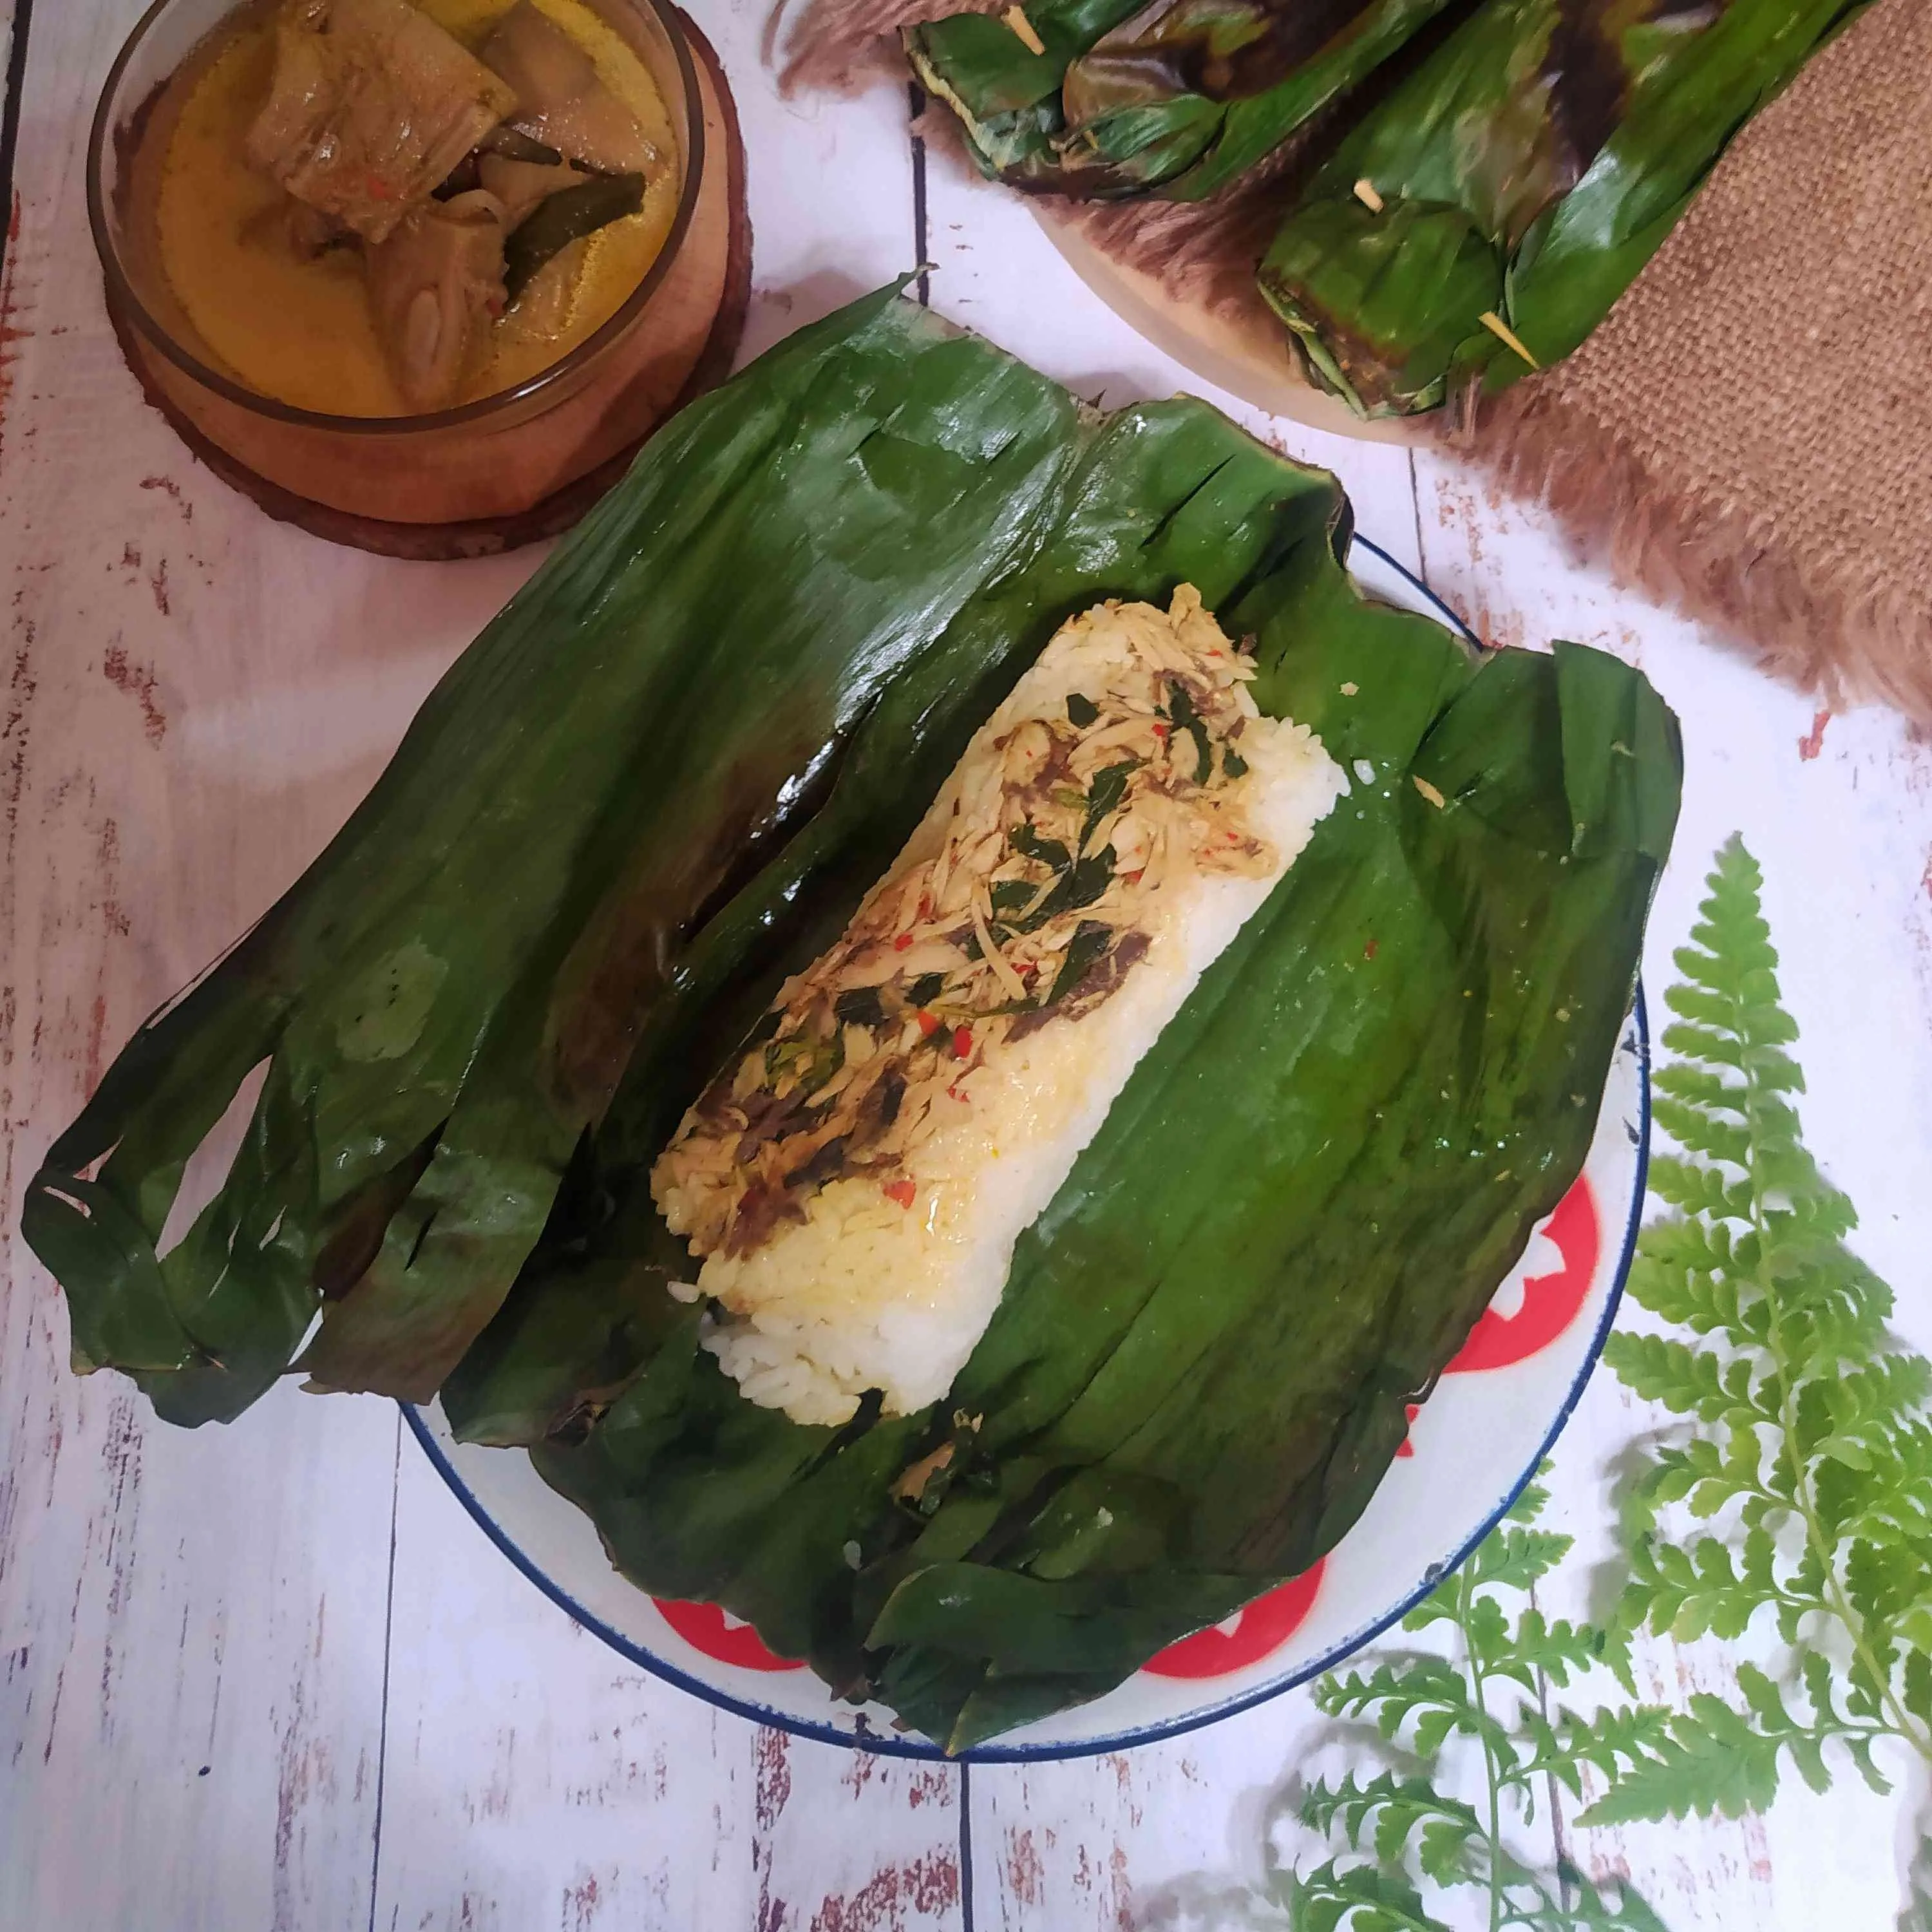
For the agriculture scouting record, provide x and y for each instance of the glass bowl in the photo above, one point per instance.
(496, 459)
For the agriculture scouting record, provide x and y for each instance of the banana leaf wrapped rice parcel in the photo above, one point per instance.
(1106, 100)
(1483, 217)
(1279, 940)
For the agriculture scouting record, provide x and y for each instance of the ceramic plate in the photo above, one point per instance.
(1471, 1447)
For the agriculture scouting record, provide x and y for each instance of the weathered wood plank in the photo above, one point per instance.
(536, 1778)
(193, 1624)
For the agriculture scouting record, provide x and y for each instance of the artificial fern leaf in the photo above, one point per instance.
(1532, 1498)
(1712, 1760)
(1609, 1741)
(1687, 1268)
(1884, 1580)
(1428, 1691)
(1699, 1086)
(1446, 1853)
(1697, 1189)
(1391, 1813)
(1700, 1131)
(1793, 1486)
(1691, 1381)
(1805, 1415)
(1560, 1651)
(1704, 1045)
(1592, 1912)
(1917, 1915)
(1355, 1898)
(1516, 1558)
(1714, 1007)
(1915, 1686)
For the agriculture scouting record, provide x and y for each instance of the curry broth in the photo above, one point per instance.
(301, 330)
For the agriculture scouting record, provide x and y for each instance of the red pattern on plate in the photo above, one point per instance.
(1250, 1634)
(1550, 1302)
(703, 1626)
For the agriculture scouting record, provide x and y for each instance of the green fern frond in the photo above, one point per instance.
(1334, 1898)
(1393, 1815)
(1792, 1490)
(1805, 1417)
(1516, 1559)
(1713, 1760)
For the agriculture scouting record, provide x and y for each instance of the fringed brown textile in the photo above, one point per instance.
(841, 45)
(1749, 435)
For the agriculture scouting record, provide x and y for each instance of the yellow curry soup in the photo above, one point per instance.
(300, 325)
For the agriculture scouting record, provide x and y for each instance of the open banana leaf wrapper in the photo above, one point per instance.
(662, 779)
(1524, 172)
(1177, 100)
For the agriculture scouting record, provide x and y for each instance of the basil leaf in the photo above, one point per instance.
(1047, 851)
(1105, 794)
(1080, 885)
(1090, 942)
(859, 1006)
(1180, 709)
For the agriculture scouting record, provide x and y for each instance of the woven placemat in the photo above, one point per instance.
(1749, 435)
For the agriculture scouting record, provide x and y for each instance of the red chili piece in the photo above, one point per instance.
(962, 1042)
(902, 1191)
(903, 943)
(928, 1024)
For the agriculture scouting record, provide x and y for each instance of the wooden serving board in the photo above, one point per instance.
(488, 489)
(1250, 357)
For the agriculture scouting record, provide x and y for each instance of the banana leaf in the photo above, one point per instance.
(664, 777)
(1179, 98)
(446, 999)
(1525, 172)
(1199, 1370)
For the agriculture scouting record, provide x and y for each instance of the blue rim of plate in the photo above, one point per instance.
(883, 1745)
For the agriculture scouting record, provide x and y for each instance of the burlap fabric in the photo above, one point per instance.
(1749, 435)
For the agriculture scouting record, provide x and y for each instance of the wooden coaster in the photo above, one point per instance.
(1248, 356)
(565, 458)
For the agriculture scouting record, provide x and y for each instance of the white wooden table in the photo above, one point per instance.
(272, 1675)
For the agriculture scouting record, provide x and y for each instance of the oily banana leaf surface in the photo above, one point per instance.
(1177, 100)
(1526, 171)
(445, 1000)
(1308, 1192)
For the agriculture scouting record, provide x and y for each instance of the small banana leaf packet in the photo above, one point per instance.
(1483, 217)
(1176, 99)
(662, 779)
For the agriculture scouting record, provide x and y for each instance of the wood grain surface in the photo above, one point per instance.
(271, 1676)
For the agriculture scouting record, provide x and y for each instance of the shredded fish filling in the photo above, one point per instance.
(853, 1185)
